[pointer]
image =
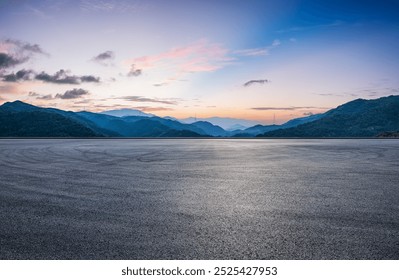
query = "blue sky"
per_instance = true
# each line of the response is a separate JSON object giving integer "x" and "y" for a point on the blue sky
{"x": 246, "y": 59}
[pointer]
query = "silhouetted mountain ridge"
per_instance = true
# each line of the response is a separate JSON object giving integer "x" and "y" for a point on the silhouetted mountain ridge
{"x": 357, "y": 118}
{"x": 126, "y": 112}
{"x": 260, "y": 129}
{"x": 211, "y": 129}
{"x": 19, "y": 119}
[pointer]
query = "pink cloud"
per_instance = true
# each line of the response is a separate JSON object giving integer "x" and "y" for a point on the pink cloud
{"x": 199, "y": 65}
{"x": 5, "y": 47}
{"x": 201, "y": 56}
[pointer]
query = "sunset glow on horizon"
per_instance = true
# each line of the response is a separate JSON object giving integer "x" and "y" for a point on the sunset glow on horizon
{"x": 257, "y": 60}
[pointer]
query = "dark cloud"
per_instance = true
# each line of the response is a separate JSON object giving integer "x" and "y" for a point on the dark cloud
{"x": 134, "y": 72}
{"x": 104, "y": 56}
{"x": 145, "y": 99}
{"x": 33, "y": 94}
{"x": 7, "y": 61}
{"x": 21, "y": 75}
{"x": 308, "y": 114}
{"x": 40, "y": 96}
{"x": 72, "y": 94}
{"x": 17, "y": 52}
{"x": 285, "y": 108}
{"x": 89, "y": 79}
{"x": 251, "y": 82}
{"x": 25, "y": 47}
{"x": 60, "y": 77}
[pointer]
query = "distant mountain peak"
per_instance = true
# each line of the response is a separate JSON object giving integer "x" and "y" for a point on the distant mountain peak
{"x": 210, "y": 128}
{"x": 224, "y": 123}
{"x": 236, "y": 127}
{"x": 126, "y": 112}
{"x": 170, "y": 118}
{"x": 18, "y": 105}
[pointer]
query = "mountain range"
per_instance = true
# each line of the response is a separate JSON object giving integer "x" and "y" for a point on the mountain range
{"x": 126, "y": 113}
{"x": 229, "y": 124}
{"x": 358, "y": 118}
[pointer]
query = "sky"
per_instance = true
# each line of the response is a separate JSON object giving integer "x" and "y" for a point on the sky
{"x": 268, "y": 61}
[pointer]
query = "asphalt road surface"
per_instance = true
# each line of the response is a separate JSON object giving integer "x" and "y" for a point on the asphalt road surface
{"x": 199, "y": 199}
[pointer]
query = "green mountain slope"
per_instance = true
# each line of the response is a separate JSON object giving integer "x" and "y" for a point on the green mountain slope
{"x": 358, "y": 118}
{"x": 18, "y": 119}
{"x": 42, "y": 124}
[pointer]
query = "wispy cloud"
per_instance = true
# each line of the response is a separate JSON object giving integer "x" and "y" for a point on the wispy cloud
{"x": 146, "y": 99}
{"x": 310, "y": 27}
{"x": 39, "y": 13}
{"x": 134, "y": 72}
{"x": 160, "y": 84}
{"x": 19, "y": 47}
{"x": 45, "y": 97}
{"x": 72, "y": 94}
{"x": 292, "y": 108}
{"x": 15, "y": 52}
{"x": 330, "y": 94}
{"x": 371, "y": 91}
{"x": 104, "y": 58}
{"x": 258, "y": 51}
{"x": 39, "y": 96}
{"x": 111, "y": 6}
{"x": 201, "y": 56}
{"x": 33, "y": 94}
{"x": 153, "y": 109}
{"x": 9, "y": 89}
{"x": 102, "y": 107}
{"x": 253, "y": 52}
{"x": 252, "y": 82}
{"x": 60, "y": 77}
